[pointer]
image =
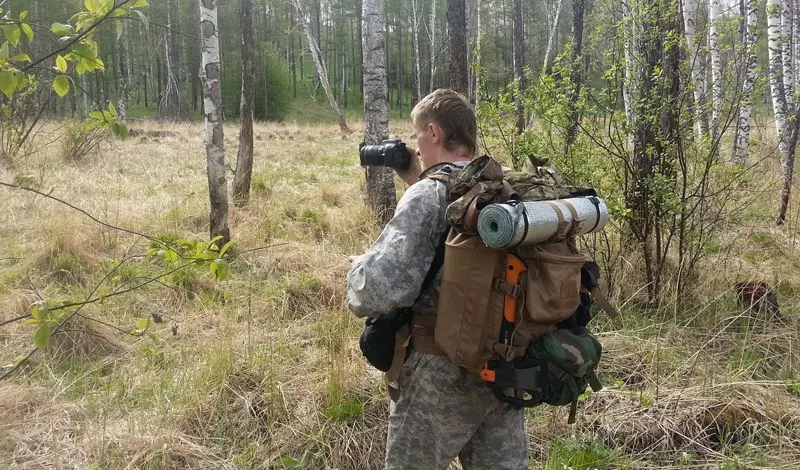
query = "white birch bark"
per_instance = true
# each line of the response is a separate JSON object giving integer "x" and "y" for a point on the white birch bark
{"x": 628, "y": 83}
{"x": 432, "y": 34}
{"x": 695, "y": 56}
{"x": 746, "y": 105}
{"x": 380, "y": 180}
{"x": 415, "y": 19}
{"x": 786, "y": 53}
{"x": 319, "y": 65}
{"x": 775, "y": 47}
{"x": 212, "y": 107}
{"x": 717, "y": 94}
{"x": 478, "y": 40}
{"x": 552, "y": 27}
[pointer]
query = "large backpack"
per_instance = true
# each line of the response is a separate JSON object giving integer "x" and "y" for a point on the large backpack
{"x": 545, "y": 356}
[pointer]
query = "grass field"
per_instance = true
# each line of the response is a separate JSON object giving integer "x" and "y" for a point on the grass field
{"x": 263, "y": 370}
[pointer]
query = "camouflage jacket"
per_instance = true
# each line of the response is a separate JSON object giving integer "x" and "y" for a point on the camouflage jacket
{"x": 390, "y": 274}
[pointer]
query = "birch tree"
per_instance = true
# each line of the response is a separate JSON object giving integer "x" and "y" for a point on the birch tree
{"x": 478, "y": 40}
{"x": 319, "y": 65}
{"x": 169, "y": 105}
{"x": 776, "y": 70}
{"x": 786, "y": 53}
{"x": 212, "y": 107}
{"x": 696, "y": 65}
{"x": 432, "y": 41}
{"x": 457, "y": 26}
{"x": 553, "y": 15}
{"x": 380, "y": 181}
{"x": 748, "y": 85}
{"x": 415, "y": 20}
{"x": 717, "y": 95}
{"x": 244, "y": 159}
{"x": 518, "y": 46}
{"x": 576, "y": 72}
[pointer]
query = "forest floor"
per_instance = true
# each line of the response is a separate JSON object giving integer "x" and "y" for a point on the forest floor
{"x": 263, "y": 370}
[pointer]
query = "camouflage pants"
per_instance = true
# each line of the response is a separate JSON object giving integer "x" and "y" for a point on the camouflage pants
{"x": 443, "y": 413}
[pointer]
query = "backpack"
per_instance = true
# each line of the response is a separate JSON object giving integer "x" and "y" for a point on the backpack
{"x": 509, "y": 316}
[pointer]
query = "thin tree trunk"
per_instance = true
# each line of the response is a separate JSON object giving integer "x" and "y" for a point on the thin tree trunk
{"x": 552, "y": 20}
{"x": 576, "y": 72}
{"x": 716, "y": 67}
{"x": 788, "y": 174}
{"x": 244, "y": 159}
{"x": 775, "y": 46}
{"x": 432, "y": 37}
{"x": 212, "y": 107}
{"x": 628, "y": 83}
{"x": 518, "y": 45}
{"x": 694, "y": 51}
{"x": 415, "y": 18}
{"x": 457, "y": 25}
{"x": 748, "y": 85}
{"x": 478, "y": 41}
{"x": 169, "y": 108}
{"x": 380, "y": 181}
{"x": 786, "y": 53}
{"x": 319, "y": 64}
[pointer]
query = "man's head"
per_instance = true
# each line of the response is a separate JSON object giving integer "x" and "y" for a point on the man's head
{"x": 446, "y": 127}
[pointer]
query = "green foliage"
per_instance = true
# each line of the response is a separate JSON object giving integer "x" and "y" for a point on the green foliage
{"x": 271, "y": 101}
{"x": 79, "y": 141}
{"x": 344, "y": 411}
{"x": 575, "y": 454}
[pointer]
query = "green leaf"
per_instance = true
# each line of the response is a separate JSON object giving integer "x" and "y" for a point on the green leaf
{"x": 111, "y": 109}
{"x": 61, "y": 85}
{"x": 26, "y": 28}
{"x": 80, "y": 69}
{"x": 291, "y": 463}
{"x": 123, "y": 131}
{"x": 143, "y": 18}
{"x": 42, "y": 335}
{"x": 220, "y": 269}
{"x": 119, "y": 29}
{"x": 12, "y": 33}
{"x": 225, "y": 248}
{"x": 4, "y": 50}
{"x": 142, "y": 323}
{"x": 22, "y": 58}
{"x": 141, "y": 4}
{"x": 8, "y": 83}
{"x": 61, "y": 64}
{"x": 105, "y": 7}
{"x": 62, "y": 29}
{"x": 92, "y": 5}
{"x": 23, "y": 15}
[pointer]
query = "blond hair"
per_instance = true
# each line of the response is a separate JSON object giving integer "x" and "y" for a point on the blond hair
{"x": 453, "y": 113}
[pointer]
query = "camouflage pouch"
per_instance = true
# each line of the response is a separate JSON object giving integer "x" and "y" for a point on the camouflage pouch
{"x": 569, "y": 358}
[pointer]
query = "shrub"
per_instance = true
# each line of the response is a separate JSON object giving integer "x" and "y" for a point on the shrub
{"x": 79, "y": 142}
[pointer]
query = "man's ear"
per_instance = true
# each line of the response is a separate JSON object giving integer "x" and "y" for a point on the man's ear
{"x": 436, "y": 132}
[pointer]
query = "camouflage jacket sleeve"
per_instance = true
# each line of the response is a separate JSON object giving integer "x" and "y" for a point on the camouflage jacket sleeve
{"x": 390, "y": 274}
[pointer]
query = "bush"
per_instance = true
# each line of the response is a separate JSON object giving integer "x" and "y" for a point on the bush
{"x": 78, "y": 142}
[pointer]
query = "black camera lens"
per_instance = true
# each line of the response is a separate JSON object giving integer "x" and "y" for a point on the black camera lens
{"x": 389, "y": 153}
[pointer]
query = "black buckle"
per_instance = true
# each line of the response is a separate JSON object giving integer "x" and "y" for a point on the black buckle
{"x": 508, "y": 289}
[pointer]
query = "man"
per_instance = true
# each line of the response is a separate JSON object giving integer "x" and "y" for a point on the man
{"x": 440, "y": 412}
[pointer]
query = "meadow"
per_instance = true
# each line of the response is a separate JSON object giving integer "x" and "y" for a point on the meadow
{"x": 263, "y": 370}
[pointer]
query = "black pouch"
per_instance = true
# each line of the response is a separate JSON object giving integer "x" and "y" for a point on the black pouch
{"x": 378, "y": 338}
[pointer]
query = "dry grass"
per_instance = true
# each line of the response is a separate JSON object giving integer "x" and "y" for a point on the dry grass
{"x": 265, "y": 366}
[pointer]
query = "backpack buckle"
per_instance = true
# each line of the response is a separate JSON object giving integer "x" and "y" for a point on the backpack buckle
{"x": 508, "y": 289}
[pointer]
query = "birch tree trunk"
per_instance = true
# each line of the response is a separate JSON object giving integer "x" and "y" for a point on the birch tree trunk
{"x": 694, "y": 50}
{"x": 457, "y": 25}
{"x": 628, "y": 83}
{"x": 432, "y": 38}
{"x": 748, "y": 85}
{"x": 775, "y": 47}
{"x": 212, "y": 107}
{"x": 552, "y": 26}
{"x": 319, "y": 65}
{"x": 478, "y": 40}
{"x": 244, "y": 159}
{"x": 717, "y": 94}
{"x": 518, "y": 46}
{"x": 576, "y": 72}
{"x": 415, "y": 19}
{"x": 380, "y": 180}
{"x": 786, "y": 53}
{"x": 169, "y": 107}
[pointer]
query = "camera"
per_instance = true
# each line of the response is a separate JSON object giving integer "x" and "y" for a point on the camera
{"x": 391, "y": 153}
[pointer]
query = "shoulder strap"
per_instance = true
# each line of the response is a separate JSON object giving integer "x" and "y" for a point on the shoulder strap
{"x": 436, "y": 264}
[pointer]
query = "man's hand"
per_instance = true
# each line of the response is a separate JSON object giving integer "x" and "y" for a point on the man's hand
{"x": 411, "y": 175}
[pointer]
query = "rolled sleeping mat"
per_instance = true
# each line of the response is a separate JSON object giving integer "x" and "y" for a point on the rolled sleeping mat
{"x": 529, "y": 223}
